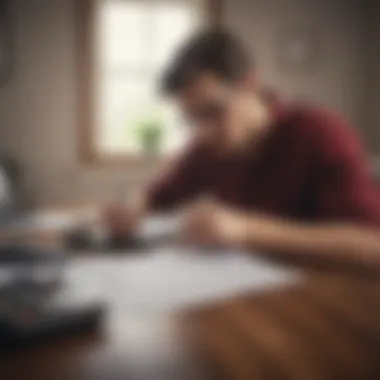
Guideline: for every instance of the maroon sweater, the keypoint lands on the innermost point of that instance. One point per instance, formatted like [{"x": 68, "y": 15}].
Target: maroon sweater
[{"x": 310, "y": 167}]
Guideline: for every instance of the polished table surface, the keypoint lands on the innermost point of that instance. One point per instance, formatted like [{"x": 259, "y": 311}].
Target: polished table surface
[{"x": 315, "y": 322}]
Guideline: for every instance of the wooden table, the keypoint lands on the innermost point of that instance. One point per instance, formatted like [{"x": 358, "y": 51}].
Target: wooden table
[{"x": 324, "y": 327}]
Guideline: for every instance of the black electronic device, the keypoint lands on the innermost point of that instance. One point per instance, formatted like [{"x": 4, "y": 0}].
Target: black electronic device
[
  {"x": 33, "y": 326},
  {"x": 22, "y": 254},
  {"x": 36, "y": 302},
  {"x": 85, "y": 239},
  {"x": 156, "y": 231}
]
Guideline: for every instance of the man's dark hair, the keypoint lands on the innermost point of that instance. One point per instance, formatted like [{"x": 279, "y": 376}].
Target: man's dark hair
[{"x": 214, "y": 51}]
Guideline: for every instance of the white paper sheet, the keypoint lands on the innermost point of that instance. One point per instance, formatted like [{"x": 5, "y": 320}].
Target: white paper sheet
[{"x": 166, "y": 279}]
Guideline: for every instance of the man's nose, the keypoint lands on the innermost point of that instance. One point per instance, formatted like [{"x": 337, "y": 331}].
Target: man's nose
[{"x": 206, "y": 134}]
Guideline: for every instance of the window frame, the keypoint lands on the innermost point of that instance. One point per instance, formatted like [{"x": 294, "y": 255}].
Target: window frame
[{"x": 85, "y": 138}]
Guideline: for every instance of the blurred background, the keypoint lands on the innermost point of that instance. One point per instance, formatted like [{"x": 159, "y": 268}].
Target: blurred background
[{"x": 79, "y": 112}]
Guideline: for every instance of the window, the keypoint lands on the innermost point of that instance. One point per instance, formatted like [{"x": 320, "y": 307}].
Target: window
[{"x": 124, "y": 46}]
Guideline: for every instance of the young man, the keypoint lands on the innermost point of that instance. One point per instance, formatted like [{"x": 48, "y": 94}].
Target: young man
[{"x": 256, "y": 173}]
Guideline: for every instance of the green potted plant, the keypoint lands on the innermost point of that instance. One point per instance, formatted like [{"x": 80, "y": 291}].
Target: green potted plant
[{"x": 150, "y": 133}]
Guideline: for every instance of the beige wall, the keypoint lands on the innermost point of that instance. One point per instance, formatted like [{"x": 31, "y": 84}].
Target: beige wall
[
  {"x": 372, "y": 78},
  {"x": 336, "y": 80},
  {"x": 37, "y": 108}
]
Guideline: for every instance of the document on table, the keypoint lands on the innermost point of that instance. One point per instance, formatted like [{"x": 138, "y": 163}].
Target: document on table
[{"x": 166, "y": 279}]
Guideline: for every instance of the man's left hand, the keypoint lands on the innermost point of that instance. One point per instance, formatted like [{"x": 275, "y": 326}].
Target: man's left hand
[{"x": 211, "y": 224}]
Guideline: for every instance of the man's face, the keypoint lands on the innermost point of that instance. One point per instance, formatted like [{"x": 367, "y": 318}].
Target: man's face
[{"x": 219, "y": 116}]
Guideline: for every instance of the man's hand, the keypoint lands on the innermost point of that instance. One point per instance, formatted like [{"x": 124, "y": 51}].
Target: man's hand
[
  {"x": 118, "y": 220},
  {"x": 211, "y": 224},
  {"x": 123, "y": 219}
]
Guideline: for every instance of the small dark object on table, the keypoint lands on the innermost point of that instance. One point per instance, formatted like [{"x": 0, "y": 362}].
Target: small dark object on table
[{"x": 84, "y": 239}]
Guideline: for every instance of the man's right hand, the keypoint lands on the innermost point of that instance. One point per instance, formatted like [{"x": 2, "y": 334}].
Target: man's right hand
[{"x": 121, "y": 220}]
